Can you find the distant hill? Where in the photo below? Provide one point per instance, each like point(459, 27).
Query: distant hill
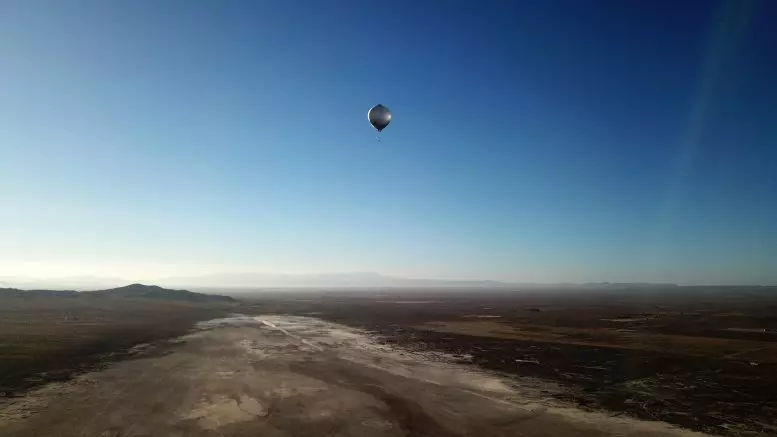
point(134, 291)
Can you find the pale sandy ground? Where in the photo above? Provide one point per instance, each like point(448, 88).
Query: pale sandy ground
point(296, 376)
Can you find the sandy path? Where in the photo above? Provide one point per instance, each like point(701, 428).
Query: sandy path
point(295, 376)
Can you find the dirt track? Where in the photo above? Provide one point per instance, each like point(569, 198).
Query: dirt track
point(295, 376)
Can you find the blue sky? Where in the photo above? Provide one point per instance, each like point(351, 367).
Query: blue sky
point(531, 141)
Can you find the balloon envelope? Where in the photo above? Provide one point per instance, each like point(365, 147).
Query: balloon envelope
point(379, 117)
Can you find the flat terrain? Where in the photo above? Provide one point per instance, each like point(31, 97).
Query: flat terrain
point(300, 376)
point(46, 339)
point(392, 362)
point(704, 358)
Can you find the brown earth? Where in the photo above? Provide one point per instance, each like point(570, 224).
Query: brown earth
point(287, 376)
point(702, 359)
point(664, 355)
point(51, 339)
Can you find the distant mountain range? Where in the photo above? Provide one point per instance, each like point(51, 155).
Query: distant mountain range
point(365, 279)
point(273, 280)
point(63, 283)
point(133, 291)
point(352, 280)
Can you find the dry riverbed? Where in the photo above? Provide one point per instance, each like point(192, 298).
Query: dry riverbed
point(300, 376)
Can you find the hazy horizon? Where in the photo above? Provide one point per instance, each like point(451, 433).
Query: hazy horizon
point(530, 141)
point(250, 280)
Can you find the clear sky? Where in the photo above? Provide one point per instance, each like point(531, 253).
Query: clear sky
point(531, 140)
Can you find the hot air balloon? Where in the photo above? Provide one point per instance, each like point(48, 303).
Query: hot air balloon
point(379, 117)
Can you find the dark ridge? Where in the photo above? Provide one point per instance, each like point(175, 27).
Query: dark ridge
point(15, 292)
point(134, 291)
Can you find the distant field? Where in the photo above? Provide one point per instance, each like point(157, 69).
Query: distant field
point(704, 358)
point(611, 338)
point(43, 339)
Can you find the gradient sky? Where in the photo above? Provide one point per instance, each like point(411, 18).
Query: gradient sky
point(531, 141)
